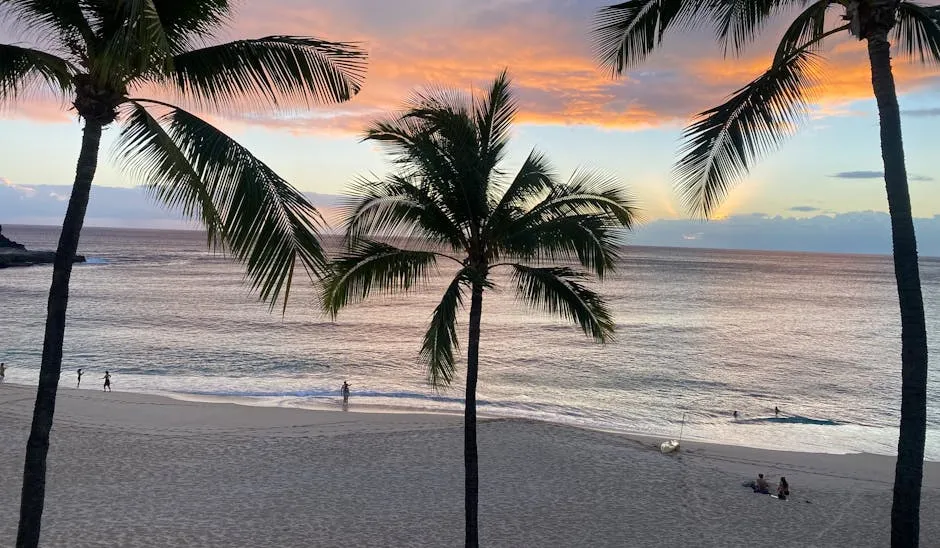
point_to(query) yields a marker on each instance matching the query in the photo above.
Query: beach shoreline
(652, 439)
(135, 469)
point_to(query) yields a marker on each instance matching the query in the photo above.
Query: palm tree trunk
(471, 473)
(905, 511)
(34, 470)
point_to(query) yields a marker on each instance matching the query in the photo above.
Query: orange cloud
(547, 48)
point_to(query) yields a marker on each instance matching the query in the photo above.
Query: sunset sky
(570, 108)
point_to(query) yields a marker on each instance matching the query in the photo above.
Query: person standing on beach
(3, 371)
(107, 381)
(345, 392)
(776, 411)
(79, 384)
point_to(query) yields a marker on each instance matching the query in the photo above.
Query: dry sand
(132, 470)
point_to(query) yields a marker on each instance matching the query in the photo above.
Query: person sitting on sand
(783, 489)
(761, 485)
(107, 381)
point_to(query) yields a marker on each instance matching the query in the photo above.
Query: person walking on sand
(107, 381)
(3, 371)
(345, 392)
(79, 383)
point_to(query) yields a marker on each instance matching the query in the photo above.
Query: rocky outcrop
(14, 254)
(6, 243)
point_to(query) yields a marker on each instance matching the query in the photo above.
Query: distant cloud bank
(922, 112)
(109, 207)
(858, 232)
(875, 175)
(859, 175)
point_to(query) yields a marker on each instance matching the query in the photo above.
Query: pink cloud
(23, 190)
(38, 108)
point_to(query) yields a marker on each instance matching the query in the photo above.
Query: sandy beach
(142, 470)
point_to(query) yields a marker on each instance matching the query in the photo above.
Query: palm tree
(94, 53)
(722, 143)
(451, 192)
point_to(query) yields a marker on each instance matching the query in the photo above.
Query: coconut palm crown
(451, 193)
(102, 57)
(722, 143)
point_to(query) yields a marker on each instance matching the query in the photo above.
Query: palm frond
(625, 33)
(397, 208)
(399, 134)
(592, 193)
(135, 42)
(148, 153)
(917, 32)
(21, 69)
(580, 220)
(493, 114)
(533, 180)
(271, 70)
(262, 220)
(807, 28)
(722, 143)
(440, 340)
(449, 125)
(560, 291)
(587, 239)
(433, 101)
(188, 23)
(370, 264)
(422, 154)
(738, 22)
(531, 183)
(60, 20)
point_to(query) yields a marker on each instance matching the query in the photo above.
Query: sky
(570, 108)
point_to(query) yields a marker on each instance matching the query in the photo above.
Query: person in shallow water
(107, 381)
(345, 392)
(783, 489)
(735, 415)
(776, 411)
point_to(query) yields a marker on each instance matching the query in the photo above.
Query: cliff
(14, 254)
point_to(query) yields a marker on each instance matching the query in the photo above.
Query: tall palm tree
(94, 53)
(451, 193)
(722, 143)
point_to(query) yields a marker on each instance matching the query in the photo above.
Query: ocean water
(700, 333)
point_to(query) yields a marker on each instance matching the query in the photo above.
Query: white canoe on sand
(669, 446)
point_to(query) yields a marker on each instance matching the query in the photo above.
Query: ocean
(700, 334)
